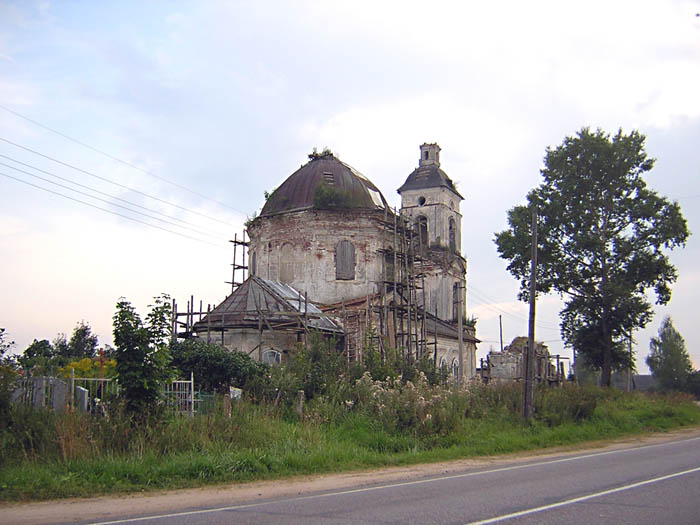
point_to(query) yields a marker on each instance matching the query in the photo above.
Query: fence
(88, 394)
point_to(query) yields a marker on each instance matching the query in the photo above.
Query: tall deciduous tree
(669, 361)
(602, 236)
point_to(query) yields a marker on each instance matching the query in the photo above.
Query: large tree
(602, 241)
(669, 361)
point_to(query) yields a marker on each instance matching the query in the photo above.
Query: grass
(73, 455)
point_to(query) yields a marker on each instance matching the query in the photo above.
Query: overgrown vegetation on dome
(326, 196)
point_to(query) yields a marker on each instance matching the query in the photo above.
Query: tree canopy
(669, 361)
(602, 241)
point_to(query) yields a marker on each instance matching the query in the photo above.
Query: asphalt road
(657, 483)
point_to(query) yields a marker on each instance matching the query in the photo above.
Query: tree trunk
(606, 369)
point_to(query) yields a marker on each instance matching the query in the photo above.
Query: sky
(187, 112)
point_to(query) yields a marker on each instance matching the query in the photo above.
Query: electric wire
(487, 300)
(117, 159)
(65, 179)
(105, 179)
(544, 325)
(109, 202)
(110, 211)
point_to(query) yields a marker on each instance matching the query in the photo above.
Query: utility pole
(529, 358)
(460, 329)
(629, 370)
(500, 329)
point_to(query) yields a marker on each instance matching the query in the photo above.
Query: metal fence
(90, 394)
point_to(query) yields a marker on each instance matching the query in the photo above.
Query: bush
(216, 368)
(569, 404)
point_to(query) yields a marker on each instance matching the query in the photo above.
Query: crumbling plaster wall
(247, 340)
(449, 350)
(299, 248)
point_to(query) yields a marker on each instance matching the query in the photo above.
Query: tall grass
(374, 423)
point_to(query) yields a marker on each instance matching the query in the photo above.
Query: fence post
(300, 403)
(72, 389)
(192, 393)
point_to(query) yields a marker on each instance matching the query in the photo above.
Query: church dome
(325, 182)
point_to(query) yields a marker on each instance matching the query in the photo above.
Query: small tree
(669, 360)
(82, 343)
(38, 357)
(142, 354)
(7, 373)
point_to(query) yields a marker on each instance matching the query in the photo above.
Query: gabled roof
(274, 303)
(428, 177)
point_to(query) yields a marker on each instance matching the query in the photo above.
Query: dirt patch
(109, 507)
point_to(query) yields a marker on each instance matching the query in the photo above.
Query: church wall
(440, 205)
(246, 340)
(299, 248)
(449, 350)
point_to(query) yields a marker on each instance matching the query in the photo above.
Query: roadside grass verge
(45, 455)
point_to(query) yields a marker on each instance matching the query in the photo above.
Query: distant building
(507, 366)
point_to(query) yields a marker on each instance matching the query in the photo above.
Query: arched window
(253, 263)
(453, 234)
(455, 368)
(271, 357)
(287, 263)
(421, 231)
(345, 261)
(443, 364)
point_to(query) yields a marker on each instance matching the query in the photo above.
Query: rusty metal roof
(272, 302)
(353, 190)
(428, 177)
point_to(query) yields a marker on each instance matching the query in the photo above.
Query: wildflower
(349, 403)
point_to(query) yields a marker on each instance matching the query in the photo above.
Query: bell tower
(431, 202)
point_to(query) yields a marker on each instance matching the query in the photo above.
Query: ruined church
(328, 254)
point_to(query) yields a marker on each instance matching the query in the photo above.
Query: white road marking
(394, 485)
(582, 498)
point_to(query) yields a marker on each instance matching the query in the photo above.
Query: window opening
(345, 261)
(422, 232)
(453, 235)
(271, 357)
(329, 178)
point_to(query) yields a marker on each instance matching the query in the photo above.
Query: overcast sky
(203, 106)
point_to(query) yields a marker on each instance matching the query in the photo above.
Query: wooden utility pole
(500, 329)
(460, 329)
(529, 358)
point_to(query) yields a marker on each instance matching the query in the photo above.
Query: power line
(488, 303)
(115, 183)
(109, 211)
(96, 191)
(117, 159)
(108, 202)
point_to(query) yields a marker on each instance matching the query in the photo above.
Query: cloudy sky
(186, 112)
